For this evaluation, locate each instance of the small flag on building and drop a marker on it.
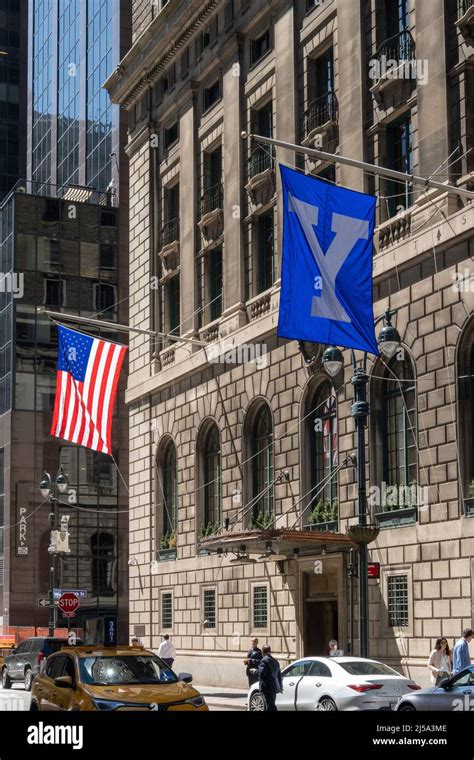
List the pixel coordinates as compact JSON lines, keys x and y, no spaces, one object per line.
{"x":86,"y":386}
{"x":326,"y":281}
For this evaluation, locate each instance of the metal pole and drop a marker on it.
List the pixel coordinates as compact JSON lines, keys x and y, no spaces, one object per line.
{"x":351,"y":597}
{"x":360,"y":411}
{"x":114,"y":326}
{"x":381,"y":171}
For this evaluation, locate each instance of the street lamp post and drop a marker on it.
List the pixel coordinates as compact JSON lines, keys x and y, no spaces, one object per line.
{"x":51,"y":490}
{"x":362,"y":533}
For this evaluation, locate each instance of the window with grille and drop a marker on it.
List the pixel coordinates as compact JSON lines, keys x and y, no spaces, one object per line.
{"x":167,"y":610}
{"x":260,"y":606}
{"x":209,"y":605}
{"x":399,"y":425}
{"x":398,"y":600}
{"x":265,"y":251}
{"x":212,"y":95}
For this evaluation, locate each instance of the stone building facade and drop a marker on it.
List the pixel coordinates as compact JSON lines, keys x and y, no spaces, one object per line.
{"x":227,"y":449}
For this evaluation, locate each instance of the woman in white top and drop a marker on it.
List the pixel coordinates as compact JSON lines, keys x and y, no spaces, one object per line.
{"x":440,"y":662}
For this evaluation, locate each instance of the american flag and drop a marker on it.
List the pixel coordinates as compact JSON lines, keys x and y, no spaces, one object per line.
{"x":86,"y":386}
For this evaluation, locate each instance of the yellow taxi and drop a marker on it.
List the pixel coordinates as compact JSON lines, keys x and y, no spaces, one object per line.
{"x":112,"y":678}
{"x":7,"y":643}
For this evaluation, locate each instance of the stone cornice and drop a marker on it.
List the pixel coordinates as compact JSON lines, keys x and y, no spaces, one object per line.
{"x":156,"y":48}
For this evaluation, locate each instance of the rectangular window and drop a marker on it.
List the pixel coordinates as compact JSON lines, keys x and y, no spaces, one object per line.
{"x":400,"y":158}
{"x":260,"y":606}
{"x":215,"y":282}
{"x":54,"y":293}
{"x":260,"y":46}
{"x":229,"y":14}
{"x":173,"y":305}
{"x":211,"y":95}
{"x":214,"y":29}
{"x":397,"y":591}
{"x":209,"y":607}
{"x":169,"y":79}
{"x":166,"y":610}
{"x":185,"y":63}
{"x":105,"y":299}
{"x":265,"y":255}
{"x":171,"y":135}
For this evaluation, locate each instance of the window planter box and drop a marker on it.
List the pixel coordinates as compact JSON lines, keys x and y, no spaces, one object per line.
{"x":469,"y":507}
{"x":166,"y":554}
{"x":325,"y":527}
{"x":397,"y":518}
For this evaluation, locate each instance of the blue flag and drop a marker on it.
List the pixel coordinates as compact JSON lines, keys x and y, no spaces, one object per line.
{"x":326,"y":280}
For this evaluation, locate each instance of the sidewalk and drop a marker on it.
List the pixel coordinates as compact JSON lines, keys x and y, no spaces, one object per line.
{"x":223,"y":698}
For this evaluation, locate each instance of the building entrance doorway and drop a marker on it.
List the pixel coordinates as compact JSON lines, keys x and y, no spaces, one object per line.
{"x":321,"y":625}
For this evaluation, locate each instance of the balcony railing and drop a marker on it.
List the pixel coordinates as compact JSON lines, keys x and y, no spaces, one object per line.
{"x":463,"y":7}
{"x":320,"y":111}
{"x":170,"y":232}
{"x":212,"y":198}
{"x":400,"y":47}
{"x":262,"y":158}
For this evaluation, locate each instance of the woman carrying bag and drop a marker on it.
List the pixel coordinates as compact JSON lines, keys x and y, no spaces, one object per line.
{"x":440,"y":662}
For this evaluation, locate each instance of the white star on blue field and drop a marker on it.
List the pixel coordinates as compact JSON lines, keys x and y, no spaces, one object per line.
{"x":74,"y":352}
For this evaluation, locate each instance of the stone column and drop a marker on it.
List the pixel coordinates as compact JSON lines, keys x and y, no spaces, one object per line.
{"x":351,"y":65}
{"x":285,"y":100}
{"x":235,"y":314}
{"x":188,"y":214}
{"x":433,"y":117}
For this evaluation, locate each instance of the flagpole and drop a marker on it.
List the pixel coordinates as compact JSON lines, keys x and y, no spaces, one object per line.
{"x":380,"y":171}
{"x":115,"y":326}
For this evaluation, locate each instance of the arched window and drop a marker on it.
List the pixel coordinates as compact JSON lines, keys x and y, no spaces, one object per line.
{"x":466,"y":419}
{"x":103,"y":564}
{"x":322,"y":455}
{"x":262,"y":462}
{"x":399,"y":437}
{"x":212,"y":478}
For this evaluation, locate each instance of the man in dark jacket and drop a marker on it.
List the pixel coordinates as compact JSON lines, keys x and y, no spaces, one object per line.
{"x":252,"y":661}
{"x":269,"y":676}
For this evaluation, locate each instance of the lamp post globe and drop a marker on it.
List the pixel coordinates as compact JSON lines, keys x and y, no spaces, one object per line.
{"x":333,"y":361}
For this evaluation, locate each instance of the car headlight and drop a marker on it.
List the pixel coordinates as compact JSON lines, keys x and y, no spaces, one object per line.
{"x":106,"y":704}
{"x":196,"y":701}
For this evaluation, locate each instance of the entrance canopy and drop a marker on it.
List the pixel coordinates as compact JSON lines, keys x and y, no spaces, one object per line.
{"x":277,"y":544}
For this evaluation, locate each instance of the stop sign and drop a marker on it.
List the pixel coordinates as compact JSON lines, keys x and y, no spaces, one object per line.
{"x":68,"y":604}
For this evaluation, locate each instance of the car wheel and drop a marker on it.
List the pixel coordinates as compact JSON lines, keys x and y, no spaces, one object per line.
{"x":257,"y":702}
{"x":6,"y":680}
{"x":28,"y":679}
{"x":406,"y":707}
{"x":327,"y":705}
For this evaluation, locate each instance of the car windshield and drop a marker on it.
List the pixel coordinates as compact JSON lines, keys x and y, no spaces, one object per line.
{"x":124,"y":669}
{"x":356,"y":668}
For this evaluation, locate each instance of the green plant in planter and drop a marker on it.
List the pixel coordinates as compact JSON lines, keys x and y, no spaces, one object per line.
{"x":164,"y":541}
{"x":262,"y":521}
{"x":318,"y":514}
{"x":334,"y":511}
{"x":209,"y":529}
{"x":471,"y":489}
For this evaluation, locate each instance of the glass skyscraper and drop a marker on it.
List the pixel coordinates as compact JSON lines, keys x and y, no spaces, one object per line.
{"x":12,"y":92}
{"x":60,"y":244}
{"x":75,"y":45}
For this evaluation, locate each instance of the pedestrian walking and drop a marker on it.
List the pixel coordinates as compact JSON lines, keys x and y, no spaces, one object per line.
{"x":167,"y":652}
{"x":269,"y":677}
{"x":440,"y":662}
{"x":252,"y":661}
{"x":135,"y":642}
{"x":461,"y":656}
{"x":333,"y":648}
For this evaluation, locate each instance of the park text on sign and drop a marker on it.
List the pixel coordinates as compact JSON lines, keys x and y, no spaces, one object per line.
{"x":22,"y":548}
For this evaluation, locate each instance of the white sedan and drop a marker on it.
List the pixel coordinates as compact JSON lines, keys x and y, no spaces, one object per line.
{"x":336,"y":683}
